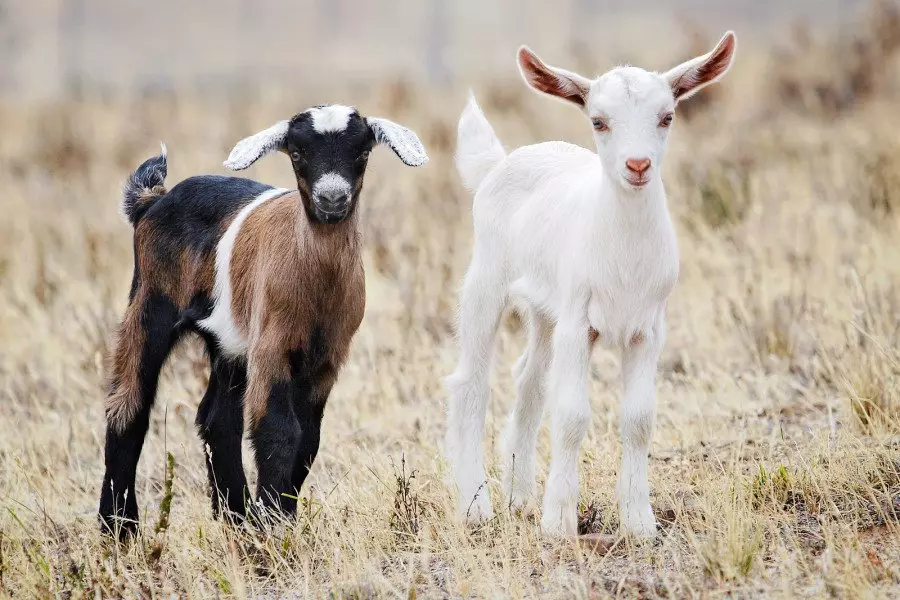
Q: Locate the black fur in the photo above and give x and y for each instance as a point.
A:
(314, 154)
(287, 439)
(276, 440)
(151, 174)
(220, 422)
(190, 214)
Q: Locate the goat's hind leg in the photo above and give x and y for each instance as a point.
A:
(482, 303)
(520, 438)
(220, 423)
(143, 341)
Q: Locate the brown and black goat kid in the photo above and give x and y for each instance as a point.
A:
(272, 279)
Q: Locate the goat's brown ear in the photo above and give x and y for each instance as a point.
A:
(550, 80)
(251, 149)
(690, 77)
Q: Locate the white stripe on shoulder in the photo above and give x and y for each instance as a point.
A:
(221, 322)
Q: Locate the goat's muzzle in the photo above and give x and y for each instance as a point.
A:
(638, 169)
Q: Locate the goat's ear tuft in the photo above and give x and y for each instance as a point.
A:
(551, 80)
(404, 142)
(690, 77)
(249, 150)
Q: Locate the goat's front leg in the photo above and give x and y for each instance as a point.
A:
(639, 363)
(568, 387)
(309, 414)
(275, 430)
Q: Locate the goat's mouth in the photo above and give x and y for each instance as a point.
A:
(636, 182)
(330, 214)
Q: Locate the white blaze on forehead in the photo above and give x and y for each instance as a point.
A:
(221, 322)
(329, 183)
(332, 118)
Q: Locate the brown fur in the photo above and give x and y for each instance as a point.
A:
(124, 401)
(179, 279)
(290, 278)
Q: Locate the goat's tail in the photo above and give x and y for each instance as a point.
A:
(146, 184)
(478, 149)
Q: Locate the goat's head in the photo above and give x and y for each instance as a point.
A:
(329, 148)
(630, 109)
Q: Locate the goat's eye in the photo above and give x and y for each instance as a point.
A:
(600, 125)
(666, 120)
(364, 156)
(295, 156)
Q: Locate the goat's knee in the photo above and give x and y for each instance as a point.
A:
(570, 423)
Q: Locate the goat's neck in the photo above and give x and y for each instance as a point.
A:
(635, 206)
(330, 243)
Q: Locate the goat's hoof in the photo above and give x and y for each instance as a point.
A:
(639, 524)
(118, 527)
(558, 525)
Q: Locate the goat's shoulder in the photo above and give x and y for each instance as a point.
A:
(266, 243)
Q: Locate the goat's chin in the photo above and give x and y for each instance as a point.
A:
(329, 218)
(635, 185)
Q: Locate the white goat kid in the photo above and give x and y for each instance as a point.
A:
(584, 242)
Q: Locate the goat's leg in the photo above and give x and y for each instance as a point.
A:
(269, 412)
(568, 384)
(309, 410)
(220, 422)
(520, 438)
(639, 363)
(143, 341)
(482, 303)
(276, 440)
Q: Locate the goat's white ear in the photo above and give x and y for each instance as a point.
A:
(249, 150)
(551, 80)
(692, 76)
(404, 142)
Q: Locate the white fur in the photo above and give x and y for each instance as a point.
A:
(331, 184)
(564, 233)
(221, 322)
(250, 149)
(403, 141)
(333, 118)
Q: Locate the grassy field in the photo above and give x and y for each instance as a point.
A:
(775, 464)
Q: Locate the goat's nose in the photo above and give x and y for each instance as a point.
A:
(638, 165)
(332, 197)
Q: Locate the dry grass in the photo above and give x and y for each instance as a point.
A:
(776, 460)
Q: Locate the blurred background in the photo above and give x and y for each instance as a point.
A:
(52, 47)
